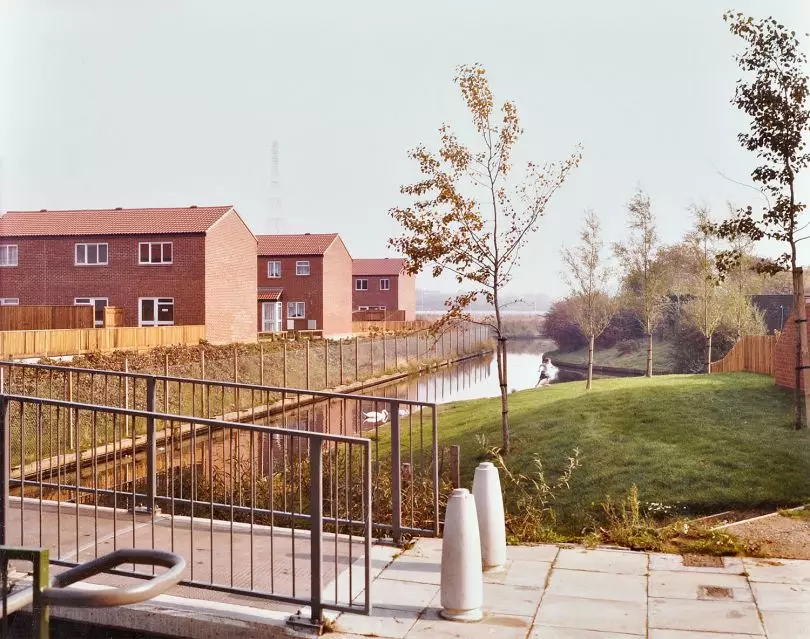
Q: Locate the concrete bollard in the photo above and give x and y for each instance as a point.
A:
(462, 582)
(491, 520)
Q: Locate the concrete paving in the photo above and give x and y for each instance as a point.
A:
(546, 592)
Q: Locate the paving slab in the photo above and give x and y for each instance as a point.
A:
(689, 634)
(526, 574)
(786, 625)
(617, 562)
(543, 552)
(705, 616)
(782, 597)
(500, 599)
(661, 561)
(786, 571)
(598, 585)
(547, 632)
(593, 614)
(699, 585)
(491, 627)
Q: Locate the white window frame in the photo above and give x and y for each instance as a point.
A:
(362, 308)
(387, 286)
(76, 261)
(150, 262)
(301, 266)
(296, 314)
(156, 301)
(274, 269)
(357, 283)
(91, 301)
(9, 301)
(7, 249)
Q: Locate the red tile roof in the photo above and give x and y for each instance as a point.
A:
(270, 293)
(301, 244)
(379, 266)
(111, 221)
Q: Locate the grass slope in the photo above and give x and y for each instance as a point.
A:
(704, 443)
(662, 357)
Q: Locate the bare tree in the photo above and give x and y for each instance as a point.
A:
(588, 278)
(645, 279)
(468, 219)
(776, 100)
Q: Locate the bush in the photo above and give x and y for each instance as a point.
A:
(624, 326)
(560, 327)
(690, 348)
(628, 346)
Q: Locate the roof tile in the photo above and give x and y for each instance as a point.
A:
(300, 244)
(378, 266)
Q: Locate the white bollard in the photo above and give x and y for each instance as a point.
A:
(491, 520)
(462, 581)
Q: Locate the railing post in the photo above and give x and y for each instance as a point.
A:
(371, 352)
(356, 359)
(151, 447)
(385, 360)
(396, 476)
(316, 527)
(307, 365)
(341, 361)
(261, 364)
(5, 452)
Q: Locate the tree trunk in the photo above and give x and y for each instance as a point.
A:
(800, 318)
(502, 381)
(709, 354)
(589, 381)
(649, 371)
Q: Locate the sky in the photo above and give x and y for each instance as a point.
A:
(107, 103)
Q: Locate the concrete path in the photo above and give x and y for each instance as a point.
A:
(576, 593)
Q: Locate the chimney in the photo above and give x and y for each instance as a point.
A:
(118, 208)
(193, 206)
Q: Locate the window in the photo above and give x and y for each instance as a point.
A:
(9, 301)
(155, 253)
(98, 304)
(8, 255)
(360, 285)
(296, 310)
(302, 268)
(155, 311)
(87, 254)
(385, 284)
(274, 270)
(362, 308)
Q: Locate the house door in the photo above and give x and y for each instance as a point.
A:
(98, 304)
(271, 317)
(155, 311)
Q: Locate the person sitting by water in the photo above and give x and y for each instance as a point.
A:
(548, 372)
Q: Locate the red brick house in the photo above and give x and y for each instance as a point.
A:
(192, 265)
(381, 284)
(304, 284)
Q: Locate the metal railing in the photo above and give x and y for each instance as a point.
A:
(405, 451)
(251, 507)
(45, 592)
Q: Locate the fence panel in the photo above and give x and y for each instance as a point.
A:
(35, 317)
(752, 354)
(84, 340)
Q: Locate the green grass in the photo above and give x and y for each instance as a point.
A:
(662, 357)
(701, 443)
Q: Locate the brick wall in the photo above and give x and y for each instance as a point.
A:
(337, 291)
(374, 296)
(784, 355)
(406, 288)
(297, 288)
(46, 274)
(230, 283)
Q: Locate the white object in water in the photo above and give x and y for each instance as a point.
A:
(491, 520)
(462, 582)
(375, 417)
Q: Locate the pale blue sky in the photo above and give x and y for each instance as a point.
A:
(166, 103)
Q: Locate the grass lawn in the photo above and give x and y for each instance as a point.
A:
(701, 443)
(662, 357)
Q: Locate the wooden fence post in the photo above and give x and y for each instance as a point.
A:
(126, 395)
(261, 364)
(284, 365)
(371, 351)
(385, 344)
(306, 366)
(356, 359)
(235, 365)
(455, 465)
(396, 352)
(202, 364)
(326, 363)
(341, 361)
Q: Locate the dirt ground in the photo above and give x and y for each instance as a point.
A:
(786, 536)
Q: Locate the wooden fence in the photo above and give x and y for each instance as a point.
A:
(752, 354)
(32, 318)
(365, 327)
(378, 316)
(85, 340)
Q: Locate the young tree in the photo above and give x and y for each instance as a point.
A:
(645, 279)
(588, 278)
(706, 307)
(468, 219)
(775, 99)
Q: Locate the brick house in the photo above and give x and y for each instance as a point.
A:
(381, 284)
(784, 354)
(303, 284)
(192, 265)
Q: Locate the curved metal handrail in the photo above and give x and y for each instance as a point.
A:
(59, 595)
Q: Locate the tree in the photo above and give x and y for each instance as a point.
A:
(468, 219)
(706, 306)
(588, 279)
(645, 279)
(775, 99)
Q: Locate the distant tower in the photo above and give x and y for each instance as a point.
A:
(276, 217)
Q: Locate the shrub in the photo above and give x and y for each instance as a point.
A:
(690, 348)
(628, 346)
(560, 327)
